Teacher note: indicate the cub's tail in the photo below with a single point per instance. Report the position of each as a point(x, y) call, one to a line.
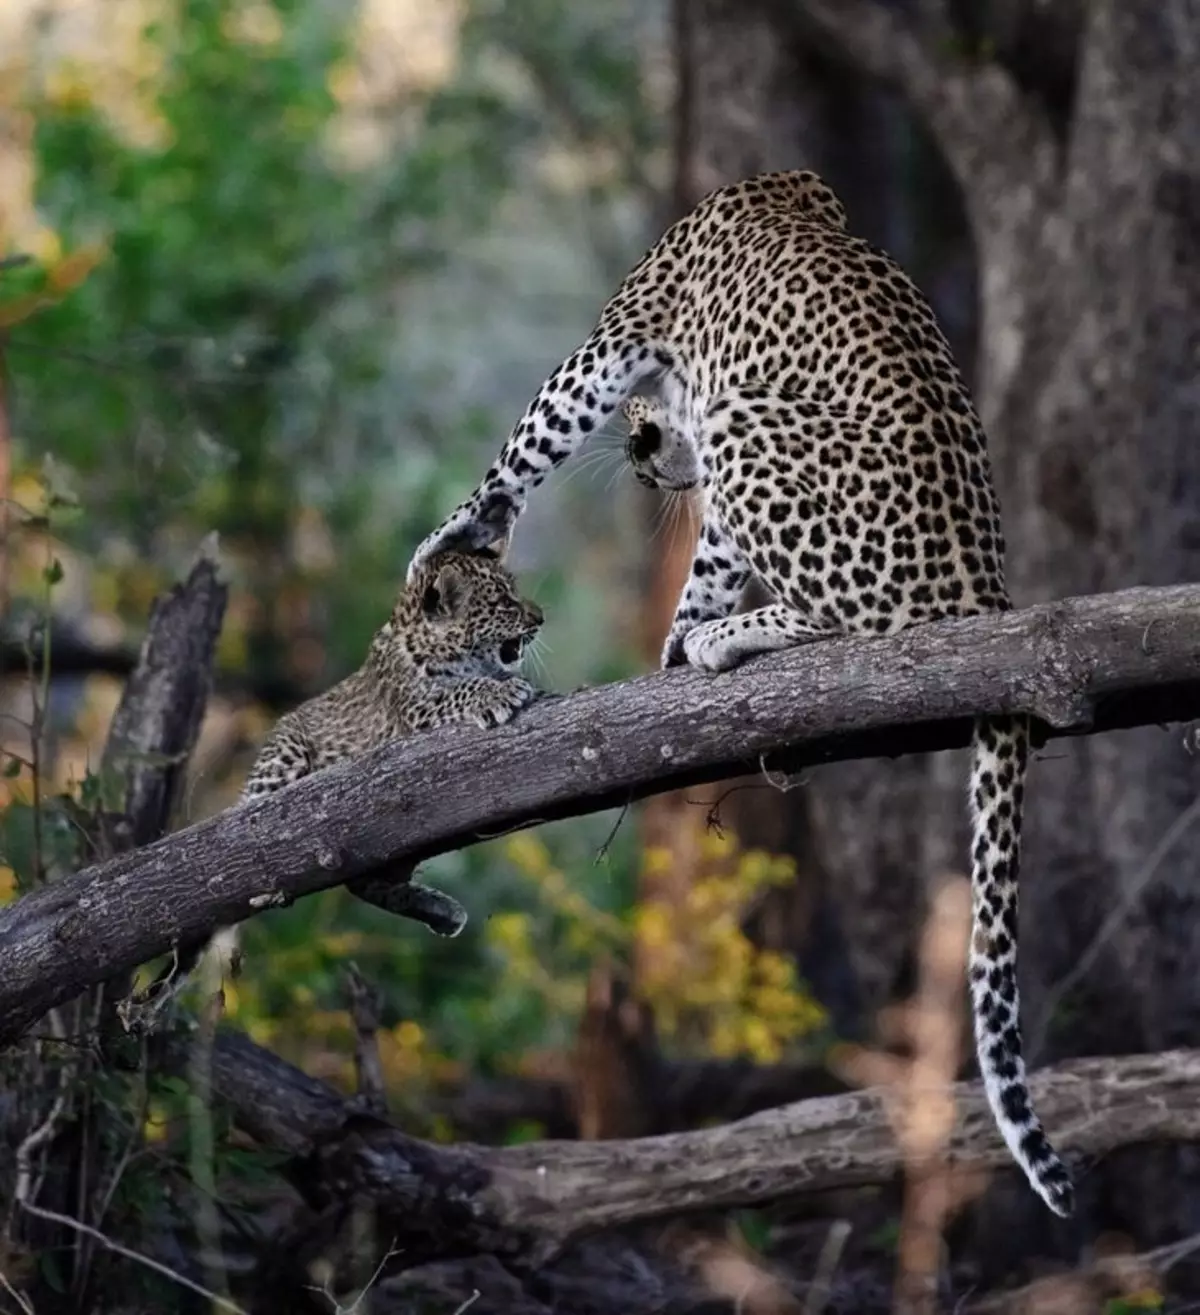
point(999, 757)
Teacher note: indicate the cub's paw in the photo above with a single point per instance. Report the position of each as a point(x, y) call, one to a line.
point(441, 913)
point(504, 701)
point(712, 648)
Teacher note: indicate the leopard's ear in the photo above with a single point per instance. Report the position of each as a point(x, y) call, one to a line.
point(444, 594)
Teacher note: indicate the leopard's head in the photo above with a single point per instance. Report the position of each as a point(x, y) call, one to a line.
point(660, 456)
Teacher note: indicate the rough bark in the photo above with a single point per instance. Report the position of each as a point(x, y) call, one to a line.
point(1086, 221)
point(525, 1202)
point(158, 718)
point(1087, 664)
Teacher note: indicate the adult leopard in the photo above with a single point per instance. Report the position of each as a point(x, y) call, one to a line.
point(805, 384)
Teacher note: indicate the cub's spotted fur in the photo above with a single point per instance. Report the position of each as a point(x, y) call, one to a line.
point(804, 384)
point(449, 652)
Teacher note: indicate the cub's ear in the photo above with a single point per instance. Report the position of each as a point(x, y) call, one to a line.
point(495, 551)
point(444, 594)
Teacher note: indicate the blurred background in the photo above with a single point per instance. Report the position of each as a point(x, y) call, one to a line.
point(288, 270)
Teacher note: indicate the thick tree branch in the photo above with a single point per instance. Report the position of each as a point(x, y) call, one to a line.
point(1099, 663)
point(529, 1200)
point(996, 139)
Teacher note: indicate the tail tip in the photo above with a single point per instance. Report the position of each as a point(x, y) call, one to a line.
point(1054, 1186)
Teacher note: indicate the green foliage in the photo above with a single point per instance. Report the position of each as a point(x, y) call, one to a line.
point(224, 363)
point(1147, 1299)
point(222, 336)
point(473, 1008)
point(754, 1228)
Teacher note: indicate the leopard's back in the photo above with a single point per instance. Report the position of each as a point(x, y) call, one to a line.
point(761, 294)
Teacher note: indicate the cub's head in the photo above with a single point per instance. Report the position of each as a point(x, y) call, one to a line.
point(661, 458)
point(463, 610)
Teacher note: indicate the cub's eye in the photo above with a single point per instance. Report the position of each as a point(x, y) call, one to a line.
point(430, 600)
point(510, 650)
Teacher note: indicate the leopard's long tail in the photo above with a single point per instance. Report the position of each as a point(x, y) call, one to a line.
point(999, 757)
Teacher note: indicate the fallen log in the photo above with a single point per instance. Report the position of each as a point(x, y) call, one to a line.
point(524, 1203)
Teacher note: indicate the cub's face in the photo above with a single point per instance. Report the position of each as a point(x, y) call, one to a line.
point(465, 606)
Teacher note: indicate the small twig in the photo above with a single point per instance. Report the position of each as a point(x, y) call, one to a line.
point(53, 1217)
point(780, 781)
point(25, 1304)
point(339, 1309)
point(135, 1136)
point(470, 1301)
point(510, 830)
point(38, 1137)
point(201, 1130)
point(712, 818)
point(602, 852)
point(821, 1287)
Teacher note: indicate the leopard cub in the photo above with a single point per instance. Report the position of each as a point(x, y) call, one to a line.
point(449, 653)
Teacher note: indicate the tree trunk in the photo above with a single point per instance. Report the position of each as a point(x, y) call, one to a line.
point(753, 95)
point(1073, 144)
point(1094, 428)
point(1076, 155)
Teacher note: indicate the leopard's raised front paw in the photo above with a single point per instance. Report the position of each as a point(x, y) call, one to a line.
point(481, 521)
point(507, 699)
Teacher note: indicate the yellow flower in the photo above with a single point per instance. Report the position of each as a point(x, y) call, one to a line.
point(528, 854)
point(716, 845)
point(652, 925)
point(409, 1034)
point(657, 861)
point(509, 932)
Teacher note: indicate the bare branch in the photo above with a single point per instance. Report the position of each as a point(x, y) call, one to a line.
point(138, 1257)
point(529, 1200)
point(156, 723)
point(1087, 664)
